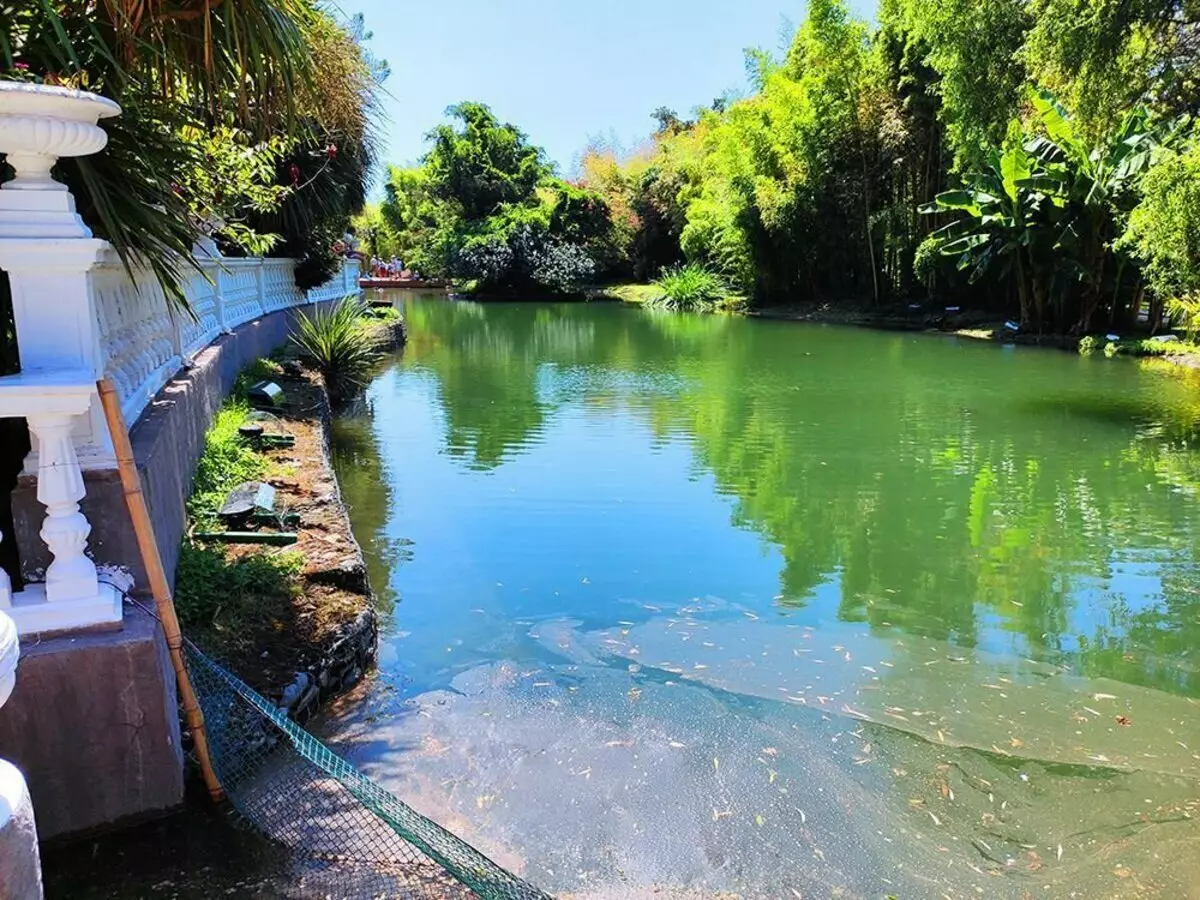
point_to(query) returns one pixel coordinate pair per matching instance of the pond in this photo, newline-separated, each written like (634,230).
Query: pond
(687,606)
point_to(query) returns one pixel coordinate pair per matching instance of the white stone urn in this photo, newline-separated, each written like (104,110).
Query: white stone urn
(40,123)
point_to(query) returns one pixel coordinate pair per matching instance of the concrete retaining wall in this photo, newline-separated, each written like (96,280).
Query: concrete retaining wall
(94,725)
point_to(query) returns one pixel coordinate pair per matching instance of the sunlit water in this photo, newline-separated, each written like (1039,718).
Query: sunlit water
(700,606)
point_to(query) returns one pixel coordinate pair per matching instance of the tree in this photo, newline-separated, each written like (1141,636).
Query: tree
(1164,228)
(483,164)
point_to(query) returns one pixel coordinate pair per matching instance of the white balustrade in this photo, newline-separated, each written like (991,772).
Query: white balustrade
(144,343)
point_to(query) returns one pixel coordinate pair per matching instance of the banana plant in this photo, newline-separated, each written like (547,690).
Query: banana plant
(1095,188)
(1002,229)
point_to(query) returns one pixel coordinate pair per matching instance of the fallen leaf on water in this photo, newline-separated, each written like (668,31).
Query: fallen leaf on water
(797,894)
(1124,720)
(936,820)
(749,615)
(1104,696)
(1123,872)
(1060,851)
(770,751)
(758,820)
(1017,742)
(676,744)
(716,764)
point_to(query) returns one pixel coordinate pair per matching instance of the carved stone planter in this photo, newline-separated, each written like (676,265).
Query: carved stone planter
(38,125)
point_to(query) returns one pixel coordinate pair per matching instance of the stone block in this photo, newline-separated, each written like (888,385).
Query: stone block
(94,726)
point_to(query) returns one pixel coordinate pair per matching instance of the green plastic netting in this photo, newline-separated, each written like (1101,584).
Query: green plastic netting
(346,836)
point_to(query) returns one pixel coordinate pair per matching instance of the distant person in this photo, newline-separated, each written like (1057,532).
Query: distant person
(350,240)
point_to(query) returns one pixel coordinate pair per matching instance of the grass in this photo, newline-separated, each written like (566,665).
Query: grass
(214,589)
(227,461)
(215,592)
(626,293)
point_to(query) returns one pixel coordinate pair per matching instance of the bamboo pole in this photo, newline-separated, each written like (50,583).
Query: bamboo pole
(165,605)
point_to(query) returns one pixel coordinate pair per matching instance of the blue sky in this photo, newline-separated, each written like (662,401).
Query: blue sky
(563,70)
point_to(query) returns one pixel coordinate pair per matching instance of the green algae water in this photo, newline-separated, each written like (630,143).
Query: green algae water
(688,606)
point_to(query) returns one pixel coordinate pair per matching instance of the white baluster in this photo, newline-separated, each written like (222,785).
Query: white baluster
(260,285)
(219,300)
(71,576)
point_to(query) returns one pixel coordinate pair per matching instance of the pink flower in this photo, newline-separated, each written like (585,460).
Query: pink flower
(21,67)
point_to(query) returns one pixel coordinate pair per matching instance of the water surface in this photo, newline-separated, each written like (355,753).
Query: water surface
(703,606)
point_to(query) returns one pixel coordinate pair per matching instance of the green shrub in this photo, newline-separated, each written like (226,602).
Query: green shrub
(383,313)
(1141,348)
(335,342)
(690,286)
(1089,344)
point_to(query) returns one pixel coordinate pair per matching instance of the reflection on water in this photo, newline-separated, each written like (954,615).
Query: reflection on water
(706,604)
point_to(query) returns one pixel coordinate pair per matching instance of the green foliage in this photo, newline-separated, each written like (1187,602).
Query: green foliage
(335,341)
(1164,228)
(227,461)
(974,49)
(484,207)
(691,287)
(234,178)
(1185,312)
(1045,213)
(1036,136)
(1089,344)
(483,164)
(212,102)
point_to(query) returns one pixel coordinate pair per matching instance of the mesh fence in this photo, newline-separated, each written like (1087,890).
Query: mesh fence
(347,837)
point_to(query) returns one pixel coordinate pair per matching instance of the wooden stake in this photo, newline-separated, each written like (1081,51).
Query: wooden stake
(165,605)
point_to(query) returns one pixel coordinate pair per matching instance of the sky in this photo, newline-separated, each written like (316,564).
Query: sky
(564,71)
